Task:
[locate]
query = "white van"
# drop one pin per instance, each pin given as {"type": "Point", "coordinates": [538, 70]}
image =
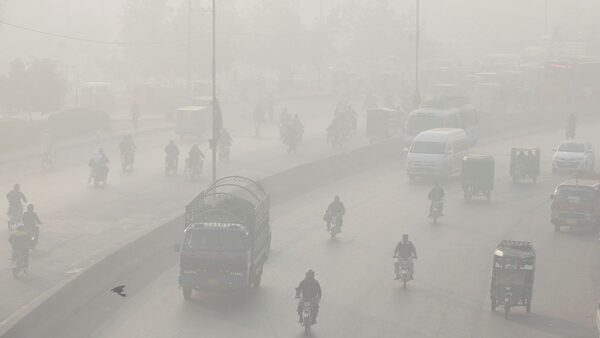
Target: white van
{"type": "Point", "coordinates": [437, 152]}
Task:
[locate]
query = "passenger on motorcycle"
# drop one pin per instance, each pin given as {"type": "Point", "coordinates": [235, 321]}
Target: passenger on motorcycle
{"type": "Point", "coordinates": [47, 148]}
{"type": "Point", "coordinates": [225, 140]}
{"type": "Point", "coordinates": [436, 194]}
{"type": "Point", "coordinates": [309, 289]}
{"type": "Point", "coordinates": [405, 250]}
{"type": "Point", "coordinates": [30, 222]}
{"type": "Point", "coordinates": [20, 242]}
{"type": "Point", "coordinates": [335, 208]}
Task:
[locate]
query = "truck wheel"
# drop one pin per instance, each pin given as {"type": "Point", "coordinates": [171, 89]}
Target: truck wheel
{"type": "Point", "coordinates": [257, 278]}
{"type": "Point", "coordinates": [556, 228]}
{"type": "Point", "coordinates": [528, 307]}
{"type": "Point", "coordinates": [187, 293]}
{"type": "Point", "coordinates": [515, 179]}
{"type": "Point", "coordinates": [494, 304]}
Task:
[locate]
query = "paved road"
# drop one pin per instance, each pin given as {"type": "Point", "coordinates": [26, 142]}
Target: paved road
{"type": "Point", "coordinates": [449, 298]}
{"type": "Point", "coordinates": [83, 223]}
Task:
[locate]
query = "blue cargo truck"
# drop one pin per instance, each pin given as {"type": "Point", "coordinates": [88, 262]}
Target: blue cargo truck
{"type": "Point", "coordinates": [227, 237]}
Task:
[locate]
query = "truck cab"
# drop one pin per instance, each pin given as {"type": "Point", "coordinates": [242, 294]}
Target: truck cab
{"type": "Point", "coordinates": [576, 203]}
{"type": "Point", "coordinates": [227, 237]}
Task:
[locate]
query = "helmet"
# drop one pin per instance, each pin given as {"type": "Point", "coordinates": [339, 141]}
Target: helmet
{"type": "Point", "coordinates": [337, 198]}
{"type": "Point", "coordinates": [405, 237]}
{"type": "Point", "coordinates": [20, 227]}
{"type": "Point", "coordinates": [17, 186]}
{"type": "Point", "coordinates": [30, 207]}
{"type": "Point", "coordinates": [310, 273]}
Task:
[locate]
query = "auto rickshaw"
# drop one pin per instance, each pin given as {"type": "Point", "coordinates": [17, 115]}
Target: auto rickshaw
{"type": "Point", "coordinates": [383, 123]}
{"type": "Point", "coordinates": [524, 163]}
{"type": "Point", "coordinates": [512, 275]}
{"type": "Point", "coordinates": [193, 121]}
{"type": "Point", "coordinates": [478, 176]}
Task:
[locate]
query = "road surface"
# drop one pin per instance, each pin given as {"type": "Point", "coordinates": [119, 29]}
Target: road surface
{"type": "Point", "coordinates": [449, 298]}
{"type": "Point", "coordinates": [81, 224]}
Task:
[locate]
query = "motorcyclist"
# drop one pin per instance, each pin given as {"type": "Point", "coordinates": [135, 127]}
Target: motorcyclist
{"type": "Point", "coordinates": [15, 198]}
{"type": "Point", "coordinates": [47, 148]}
{"type": "Point", "coordinates": [405, 250]}
{"type": "Point", "coordinates": [127, 147]}
{"type": "Point", "coordinates": [309, 289]}
{"type": "Point", "coordinates": [172, 152]}
{"type": "Point", "coordinates": [284, 120]}
{"type": "Point", "coordinates": [335, 129]}
{"type": "Point", "coordinates": [298, 127]}
{"type": "Point", "coordinates": [20, 242]}
{"type": "Point", "coordinates": [335, 208]}
{"type": "Point", "coordinates": [98, 161]}
{"type": "Point", "coordinates": [436, 194]}
{"type": "Point", "coordinates": [196, 156]}
{"type": "Point", "coordinates": [30, 222]}
{"type": "Point", "coordinates": [224, 143]}
{"type": "Point", "coordinates": [570, 126]}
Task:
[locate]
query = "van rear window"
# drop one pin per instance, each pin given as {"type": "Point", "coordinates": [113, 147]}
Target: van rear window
{"type": "Point", "coordinates": [570, 194]}
{"type": "Point", "coordinates": [420, 147]}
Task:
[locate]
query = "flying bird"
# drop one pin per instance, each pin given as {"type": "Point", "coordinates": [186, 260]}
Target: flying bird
{"type": "Point", "coordinates": [119, 290]}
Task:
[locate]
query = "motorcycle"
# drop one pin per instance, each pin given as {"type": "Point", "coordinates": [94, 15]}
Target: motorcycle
{"type": "Point", "coordinates": [402, 267]}
{"type": "Point", "coordinates": [19, 263]}
{"type": "Point", "coordinates": [436, 210]}
{"type": "Point", "coordinates": [14, 214]}
{"type": "Point", "coordinates": [127, 160]}
{"type": "Point", "coordinates": [100, 174]}
{"type": "Point", "coordinates": [336, 225]}
{"type": "Point", "coordinates": [308, 314]}
{"type": "Point", "coordinates": [193, 172]}
{"type": "Point", "coordinates": [569, 131]}
{"type": "Point", "coordinates": [171, 164]}
{"type": "Point", "coordinates": [34, 234]}
{"type": "Point", "coordinates": [224, 151]}
{"type": "Point", "coordinates": [47, 160]}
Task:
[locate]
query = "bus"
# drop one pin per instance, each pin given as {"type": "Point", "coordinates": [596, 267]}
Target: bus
{"type": "Point", "coordinates": [448, 112]}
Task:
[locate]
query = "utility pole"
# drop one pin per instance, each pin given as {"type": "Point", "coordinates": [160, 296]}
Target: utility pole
{"type": "Point", "coordinates": [546, 17]}
{"type": "Point", "coordinates": [417, 46]}
{"type": "Point", "coordinates": [188, 67]}
{"type": "Point", "coordinates": [215, 132]}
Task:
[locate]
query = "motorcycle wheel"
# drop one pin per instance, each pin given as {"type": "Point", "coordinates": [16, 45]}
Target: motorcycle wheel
{"type": "Point", "coordinates": [494, 304]}
{"type": "Point", "coordinates": [15, 272]}
{"type": "Point", "coordinates": [528, 306]}
{"type": "Point", "coordinates": [435, 219]}
{"type": "Point", "coordinates": [506, 310]}
{"type": "Point", "coordinates": [404, 283]}
{"type": "Point", "coordinates": [306, 327]}
{"type": "Point", "coordinates": [187, 293]}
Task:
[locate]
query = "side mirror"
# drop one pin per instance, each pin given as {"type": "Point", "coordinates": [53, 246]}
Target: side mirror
{"type": "Point", "coordinates": [176, 247]}
{"type": "Point", "coordinates": [554, 149]}
{"type": "Point", "coordinates": [551, 196]}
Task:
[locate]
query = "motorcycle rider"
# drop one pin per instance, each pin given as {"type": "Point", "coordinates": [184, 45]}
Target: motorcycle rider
{"type": "Point", "coordinates": [172, 153]}
{"type": "Point", "coordinates": [127, 147]}
{"type": "Point", "coordinates": [47, 148]}
{"type": "Point", "coordinates": [98, 161]}
{"type": "Point", "coordinates": [30, 222]}
{"type": "Point", "coordinates": [16, 198]}
{"type": "Point", "coordinates": [196, 156]}
{"type": "Point", "coordinates": [20, 242]}
{"type": "Point", "coordinates": [335, 208]}
{"type": "Point", "coordinates": [436, 194]}
{"type": "Point", "coordinates": [309, 289]}
{"type": "Point", "coordinates": [570, 126]}
{"type": "Point", "coordinates": [224, 143]}
{"type": "Point", "coordinates": [405, 250]}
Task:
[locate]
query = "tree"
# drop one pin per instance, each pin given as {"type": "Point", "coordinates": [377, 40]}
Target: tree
{"type": "Point", "coordinates": [35, 87]}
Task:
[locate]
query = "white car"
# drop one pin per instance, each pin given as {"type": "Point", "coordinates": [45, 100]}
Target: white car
{"type": "Point", "coordinates": [572, 155]}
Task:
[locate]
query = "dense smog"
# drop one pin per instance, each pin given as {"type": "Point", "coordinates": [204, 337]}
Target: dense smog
{"type": "Point", "coordinates": [299, 168]}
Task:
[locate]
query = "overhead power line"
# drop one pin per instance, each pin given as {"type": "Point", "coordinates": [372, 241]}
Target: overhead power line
{"type": "Point", "coordinates": [104, 42]}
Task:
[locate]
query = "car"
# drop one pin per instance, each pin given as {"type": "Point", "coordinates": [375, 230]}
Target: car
{"type": "Point", "coordinates": [571, 156]}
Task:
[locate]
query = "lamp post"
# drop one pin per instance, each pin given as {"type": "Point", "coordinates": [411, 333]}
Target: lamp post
{"type": "Point", "coordinates": [215, 132]}
{"type": "Point", "coordinates": [417, 46]}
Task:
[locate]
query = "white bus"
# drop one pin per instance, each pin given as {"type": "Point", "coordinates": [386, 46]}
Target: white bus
{"type": "Point", "coordinates": [450, 112]}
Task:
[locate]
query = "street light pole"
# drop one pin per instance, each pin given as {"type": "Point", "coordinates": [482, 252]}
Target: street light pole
{"type": "Point", "coordinates": [546, 17]}
{"type": "Point", "coordinates": [214, 94]}
{"type": "Point", "coordinates": [417, 46]}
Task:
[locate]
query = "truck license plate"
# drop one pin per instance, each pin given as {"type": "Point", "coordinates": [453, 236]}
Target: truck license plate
{"type": "Point", "coordinates": [571, 222]}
